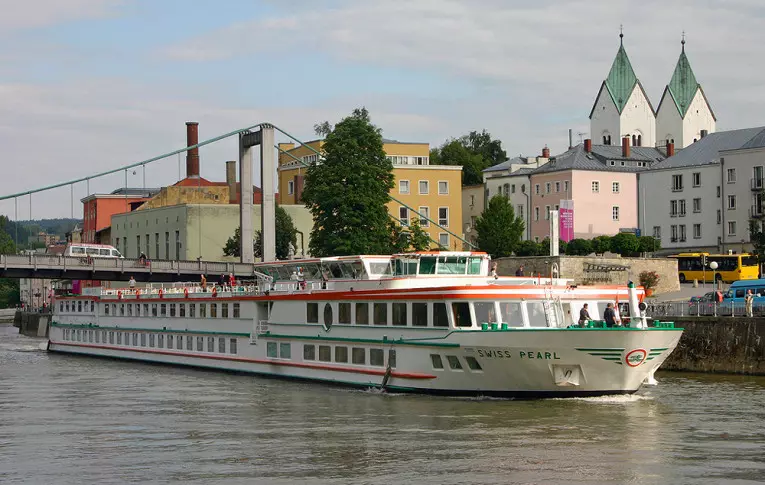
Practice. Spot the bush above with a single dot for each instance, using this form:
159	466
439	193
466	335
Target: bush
579	247
625	244
601	244
649	279
649	244
527	248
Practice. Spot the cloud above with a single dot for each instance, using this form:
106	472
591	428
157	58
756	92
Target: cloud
40	13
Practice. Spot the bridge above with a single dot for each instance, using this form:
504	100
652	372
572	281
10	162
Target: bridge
113	269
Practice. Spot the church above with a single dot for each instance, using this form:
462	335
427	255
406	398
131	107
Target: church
622	108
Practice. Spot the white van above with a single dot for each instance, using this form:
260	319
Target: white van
84	250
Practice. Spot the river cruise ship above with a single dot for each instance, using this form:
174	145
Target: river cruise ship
425	322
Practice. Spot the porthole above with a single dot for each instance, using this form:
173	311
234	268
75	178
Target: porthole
327	316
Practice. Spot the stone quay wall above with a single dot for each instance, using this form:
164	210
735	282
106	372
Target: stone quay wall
596	270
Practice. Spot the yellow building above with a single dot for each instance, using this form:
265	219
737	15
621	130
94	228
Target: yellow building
435	191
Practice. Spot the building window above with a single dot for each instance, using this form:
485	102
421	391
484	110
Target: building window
731	175
673	230
682	232
443	187
682	207
719	192
536	213
443	240
565	186
156	245
547	187
290	187
615	187
657	232
536	189
547	212
512	189
673	208
731	202
719	216
696	179
595	187
403	215
443	216
557	186
177	244
403	186
424	187
677	183
138	242
424	216
731	228
697	205
697	231
615	213
167	245
518	211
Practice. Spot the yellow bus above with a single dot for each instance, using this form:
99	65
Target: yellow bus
730	267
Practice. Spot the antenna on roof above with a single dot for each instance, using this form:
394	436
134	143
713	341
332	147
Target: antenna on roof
581	136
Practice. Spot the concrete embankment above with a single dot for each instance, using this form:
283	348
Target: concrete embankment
32	324
733	345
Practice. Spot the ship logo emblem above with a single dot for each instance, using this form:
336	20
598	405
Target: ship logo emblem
635	357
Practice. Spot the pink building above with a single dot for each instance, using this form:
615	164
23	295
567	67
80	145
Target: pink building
602	182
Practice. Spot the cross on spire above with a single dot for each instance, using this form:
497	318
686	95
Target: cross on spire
682	42
621	34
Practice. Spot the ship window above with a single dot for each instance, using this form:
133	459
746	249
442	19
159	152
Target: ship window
420	314
236	310
399	314
143	340
312	312
77	332
309	352
98	338
135	340
325	353
79	306
181	309
119	338
213	310
536	312
153	309
163	309
172	309
67	306
461	313
151	340
440	318
211	344
106	309
103	336
328	316
122	309
92	306
359	355
344	313
200	344
114	309
90	336
192	310
511	313
473	363
380	311
341	354
224	310
428	265
232	346
436	361
179	342
145	309
61	306
202	310
130	309
169	341
161	341
454	362
271	349
484	312
392	358
452	265
377	357
362	313
474	266
189	342
285	350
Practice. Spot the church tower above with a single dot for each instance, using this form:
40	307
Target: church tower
684	114
622	108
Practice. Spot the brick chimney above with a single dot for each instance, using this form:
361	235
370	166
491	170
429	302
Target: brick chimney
192	156
545	152
231	179
670	149
626	147
588	145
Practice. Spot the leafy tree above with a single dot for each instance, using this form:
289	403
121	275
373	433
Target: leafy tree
757	238
322	129
347	193
285	234
579	247
649	244
474	152
544	247
9	288
499	230
527	248
563	247
419	240
601	244
625	244
6	243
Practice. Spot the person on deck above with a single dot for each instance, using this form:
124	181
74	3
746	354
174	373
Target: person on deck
494	271
131	283
609	315
203	283
231	280
584	316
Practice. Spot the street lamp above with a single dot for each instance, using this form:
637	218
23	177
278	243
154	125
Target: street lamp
713	267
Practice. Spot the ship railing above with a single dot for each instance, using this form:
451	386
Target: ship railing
178	289
259	327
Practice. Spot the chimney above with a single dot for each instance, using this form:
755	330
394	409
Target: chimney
231	179
588	145
192	156
626	147
570	138
545	152
670	149
704	133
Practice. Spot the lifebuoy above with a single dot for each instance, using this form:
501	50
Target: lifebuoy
185	292
215	292
161	293
119	295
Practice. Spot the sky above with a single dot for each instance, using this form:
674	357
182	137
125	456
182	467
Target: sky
87	86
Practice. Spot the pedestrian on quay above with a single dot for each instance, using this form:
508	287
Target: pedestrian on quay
749	303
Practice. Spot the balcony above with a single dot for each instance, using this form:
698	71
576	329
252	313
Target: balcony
758	183
756	211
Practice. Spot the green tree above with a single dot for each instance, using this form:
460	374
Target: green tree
649	244
601	244
322	129
419	240
527	248
9	288
499	230
285	234
474	152
579	247
625	244
757	238
544	247
347	193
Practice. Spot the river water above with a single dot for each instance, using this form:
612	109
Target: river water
73	420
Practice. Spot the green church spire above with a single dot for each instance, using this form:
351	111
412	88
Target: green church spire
621	79
683	85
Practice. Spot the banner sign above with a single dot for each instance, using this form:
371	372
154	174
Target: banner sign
566	220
